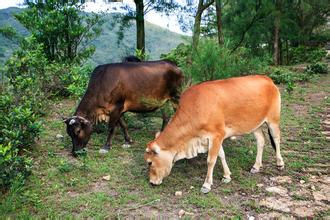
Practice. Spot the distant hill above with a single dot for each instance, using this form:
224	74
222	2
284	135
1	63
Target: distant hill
158	40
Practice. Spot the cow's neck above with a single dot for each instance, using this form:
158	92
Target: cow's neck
85	110
183	143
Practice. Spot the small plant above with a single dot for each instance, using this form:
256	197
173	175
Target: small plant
142	55
317	68
303	54
65	167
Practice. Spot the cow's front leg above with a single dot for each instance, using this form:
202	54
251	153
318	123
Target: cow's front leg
211	160
114	117
123	125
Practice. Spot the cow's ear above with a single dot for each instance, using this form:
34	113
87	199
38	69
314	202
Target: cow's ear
157	134
155	148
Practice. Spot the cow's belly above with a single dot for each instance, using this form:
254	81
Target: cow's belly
144	104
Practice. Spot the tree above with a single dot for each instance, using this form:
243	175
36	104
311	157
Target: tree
202	6
218	9
63	28
277	38
137	14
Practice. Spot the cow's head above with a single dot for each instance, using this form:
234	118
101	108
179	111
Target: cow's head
80	130
160	162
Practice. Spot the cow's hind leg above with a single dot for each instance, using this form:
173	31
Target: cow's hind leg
274	130
114	117
258	134
226	172
123	126
211	160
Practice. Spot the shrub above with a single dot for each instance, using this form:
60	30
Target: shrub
302	54
13	168
75	80
318	68
284	75
18	131
212	61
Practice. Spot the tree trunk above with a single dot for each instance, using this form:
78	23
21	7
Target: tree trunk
198	18
140	34
218	9
197	24
276	43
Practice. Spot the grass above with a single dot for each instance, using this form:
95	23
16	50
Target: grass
62	186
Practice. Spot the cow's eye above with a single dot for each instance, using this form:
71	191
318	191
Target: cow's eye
149	163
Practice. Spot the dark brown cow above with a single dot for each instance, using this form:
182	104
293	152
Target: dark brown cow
120	87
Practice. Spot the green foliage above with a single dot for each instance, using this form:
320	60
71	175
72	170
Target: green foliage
211	61
64	30
318	68
25	70
286	76
75	80
179	55
18	131
303	54
142	55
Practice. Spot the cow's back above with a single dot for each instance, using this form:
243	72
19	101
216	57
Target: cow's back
237	105
140	86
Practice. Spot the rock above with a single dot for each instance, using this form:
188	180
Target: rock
260	185
278	190
251	218
281	179
274	215
313	187
303	211
233	138
279	204
178	193
191	187
181	213
107	178
302	181
59	136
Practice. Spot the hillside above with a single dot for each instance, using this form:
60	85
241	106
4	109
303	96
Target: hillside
158	40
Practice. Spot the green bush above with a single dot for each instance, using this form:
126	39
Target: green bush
285	76
75	80
18	131
302	54
181	55
212	61
318	68
13	168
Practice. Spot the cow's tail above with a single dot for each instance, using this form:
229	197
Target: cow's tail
271	139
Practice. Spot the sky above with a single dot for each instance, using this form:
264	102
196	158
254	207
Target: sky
170	22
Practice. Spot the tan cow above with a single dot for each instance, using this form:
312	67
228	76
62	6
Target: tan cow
210	112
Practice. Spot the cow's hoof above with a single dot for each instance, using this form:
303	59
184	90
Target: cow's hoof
205	189
104	151
254	170
126	145
226	180
281	167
